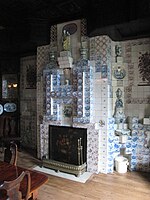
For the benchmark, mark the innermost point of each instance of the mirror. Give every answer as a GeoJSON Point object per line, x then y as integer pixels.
{"type": "Point", "coordinates": [9, 86]}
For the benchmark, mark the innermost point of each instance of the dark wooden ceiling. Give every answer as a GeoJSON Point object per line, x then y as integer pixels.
{"type": "Point", "coordinates": [25, 24]}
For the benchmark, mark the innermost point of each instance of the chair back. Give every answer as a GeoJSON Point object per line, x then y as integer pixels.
{"type": "Point", "coordinates": [12, 187]}
{"type": "Point", "coordinates": [10, 153]}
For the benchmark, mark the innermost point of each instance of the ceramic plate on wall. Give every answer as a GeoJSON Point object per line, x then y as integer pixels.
{"type": "Point", "coordinates": [119, 73]}
{"type": "Point", "coordinates": [10, 107]}
{"type": "Point", "coordinates": [1, 109]}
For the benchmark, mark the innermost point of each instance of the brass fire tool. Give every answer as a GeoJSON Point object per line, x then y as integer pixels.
{"type": "Point", "coordinates": [80, 152]}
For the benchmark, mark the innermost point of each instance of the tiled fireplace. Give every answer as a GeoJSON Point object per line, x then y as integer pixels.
{"type": "Point", "coordinates": [67, 149]}
{"type": "Point", "coordinates": [93, 104]}
{"type": "Point", "coordinates": [90, 151]}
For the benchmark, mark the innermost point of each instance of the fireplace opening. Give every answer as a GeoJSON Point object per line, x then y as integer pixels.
{"type": "Point", "coordinates": [68, 144]}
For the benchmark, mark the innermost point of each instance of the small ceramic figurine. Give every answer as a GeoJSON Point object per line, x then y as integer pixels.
{"type": "Point", "coordinates": [66, 40]}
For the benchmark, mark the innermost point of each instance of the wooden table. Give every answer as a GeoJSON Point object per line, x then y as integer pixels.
{"type": "Point", "coordinates": [10, 172]}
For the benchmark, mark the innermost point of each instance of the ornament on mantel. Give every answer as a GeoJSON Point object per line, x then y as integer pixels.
{"type": "Point", "coordinates": [52, 58]}
{"type": "Point", "coordinates": [67, 31]}
{"type": "Point", "coordinates": [66, 40]}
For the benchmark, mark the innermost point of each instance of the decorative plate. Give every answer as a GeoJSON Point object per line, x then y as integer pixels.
{"type": "Point", "coordinates": [119, 73]}
{"type": "Point", "coordinates": [10, 107]}
{"type": "Point", "coordinates": [1, 109]}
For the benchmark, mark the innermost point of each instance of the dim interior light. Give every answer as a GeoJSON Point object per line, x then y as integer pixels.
{"type": "Point", "coordinates": [9, 86]}
{"type": "Point", "coordinates": [14, 85]}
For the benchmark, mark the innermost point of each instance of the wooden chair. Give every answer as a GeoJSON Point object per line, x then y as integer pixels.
{"type": "Point", "coordinates": [10, 153]}
{"type": "Point", "coordinates": [12, 187]}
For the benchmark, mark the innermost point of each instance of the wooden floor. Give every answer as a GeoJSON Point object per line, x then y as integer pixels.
{"type": "Point", "coordinates": [128, 186]}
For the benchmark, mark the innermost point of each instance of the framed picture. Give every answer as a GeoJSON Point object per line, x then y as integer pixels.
{"type": "Point", "coordinates": [144, 66]}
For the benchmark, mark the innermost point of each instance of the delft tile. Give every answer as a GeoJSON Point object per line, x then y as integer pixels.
{"type": "Point", "coordinates": [103, 144]}
{"type": "Point", "coordinates": [103, 139]}
{"type": "Point", "coordinates": [135, 138]}
{"type": "Point", "coordinates": [103, 151]}
{"type": "Point", "coordinates": [133, 165]}
{"type": "Point", "coordinates": [135, 126]}
{"type": "Point", "coordinates": [110, 169]}
{"type": "Point", "coordinates": [104, 170]}
{"type": "Point", "coordinates": [128, 150]}
{"type": "Point", "coordinates": [111, 120]}
{"type": "Point", "coordinates": [104, 107]}
{"type": "Point", "coordinates": [110, 159]}
{"type": "Point", "coordinates": [110, 147]}
{"type": "Point", "coordinates": [110, 128]}
{"type": "Point", "coordinates": [103, 132]}
{"type": "Point", "coordinates": [111, 133]}
{"type": "Point", "coordinates": [110, 140]}
{"type": "Point", "coordinates": [117, 146]}
{"type": "Point", "coordinates": [104, 113]}
{"type": "Point", "coordinates": [141, 132]}
{"type": "Point", "coordinates": [134, 132]}
{"type": "Point", "coordinates": [110, 153]}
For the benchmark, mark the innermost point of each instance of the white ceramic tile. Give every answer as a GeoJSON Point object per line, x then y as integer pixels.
{"type": "Point", "coordinates": [103, 151]}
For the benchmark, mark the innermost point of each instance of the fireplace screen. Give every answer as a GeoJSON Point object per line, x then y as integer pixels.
{"type": "Point", "coordinates": [68, 144]}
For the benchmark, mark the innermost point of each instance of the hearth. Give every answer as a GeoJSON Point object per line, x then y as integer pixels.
{"type": "Point", "coordinates": [67, 149]}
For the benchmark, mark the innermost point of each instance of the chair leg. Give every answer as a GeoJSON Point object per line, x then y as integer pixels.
{"type": "Point", "coordinates": [2, 146]}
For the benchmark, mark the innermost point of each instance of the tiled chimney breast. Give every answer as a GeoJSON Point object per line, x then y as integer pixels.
{"type": "Point", "coordinates": [102, 143]}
